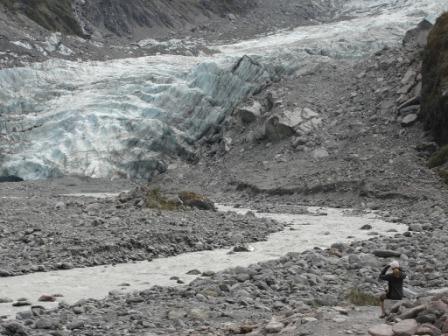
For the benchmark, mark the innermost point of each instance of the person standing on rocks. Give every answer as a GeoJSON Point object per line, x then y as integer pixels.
{"type": "Point", "coordinates": [395, 284]}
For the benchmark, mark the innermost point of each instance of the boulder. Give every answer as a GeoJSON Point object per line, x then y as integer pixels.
{"type": "Point", "coordinates": [176, 314]}
{"type": "Point", "coordinates": [46, 323]}
{"type": "Point", "coordinates": [386, 254]}
{"type": "Point", "coordinates": [77, 324]}
{"type": "Point", "coordinates": [413, 312]}
{"type": "Point", "coordinates": [409, 120]}
{"type": "Point", "coordinates": [10, 178]}
{"type": "Point", "coordinates": [47, 298]}
{"type": "Point", "coordinates": [428, 329]}
{"type": "Point", "coordinates": [405, 328]}
{"type": "Point", "coordinates": [320, 153]}
{"type": "Point", "coordinates": [249, 113]}
{"type": "Point", "coordinates": [381, 330]}
{"type": "Point", "coordinates": [418, 36]}
{"type": "Point", "coordinates": [274, 327]}
{"type": "Point", "coordinates": [14, 329]}
{"type": "Point", "coordinates": [242, 248]}
{"type": "Point", "coordinates": [198, 314]}
{"type": "Point", "coordinates": [300, 121]}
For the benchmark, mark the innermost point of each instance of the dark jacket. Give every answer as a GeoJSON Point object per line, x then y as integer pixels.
{"type": "Point", "coordinates": [395, 291]}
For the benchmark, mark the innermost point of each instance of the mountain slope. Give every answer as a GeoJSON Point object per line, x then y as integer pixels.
{"type": "Point", "coordinates": [54, 15]}
{"type": "Point", "coordinates": [435, 81]}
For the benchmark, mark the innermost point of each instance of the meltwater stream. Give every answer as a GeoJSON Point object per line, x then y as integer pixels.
{"type": "Point", "coordinates": [129, 117]}
{"type": "Point", "coordinates": [320, 228]}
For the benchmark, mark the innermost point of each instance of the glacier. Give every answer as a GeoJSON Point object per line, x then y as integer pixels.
{"type": "Point", "coordinates": [131, 117]}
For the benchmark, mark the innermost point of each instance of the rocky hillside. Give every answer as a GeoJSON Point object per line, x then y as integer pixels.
{"type": "Point", "coordinates": [435, 81]}
{"type": "Point", "coordinates": [54, 15]}
{"type": "Point", "coordinates": [118, 17]}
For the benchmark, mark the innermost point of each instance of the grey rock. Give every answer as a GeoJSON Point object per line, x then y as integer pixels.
{"type": "Point", "coordinates": [274, 327]}
{"type": "Point", "coordinates": [381, 330]}
{"type": "Point", "coordinates": [412, 313]}
{"type": "Point", "coordinates": [386, 254]}
{"type": "Point", "coordinates": [59, 206]}
{"type": "Point", "coordinates": [208, 273]}
{"type": "Point", "coordinates": [46, 323]}
{"type": "Point", "coordinates": [320, 153]}
{"type": "Point", "coordinates": [14, 329]}
{"type": "Point", "coordinates": [287, 123]}
{"type": "Point", "coordinates": [5, 300]}
{"type": "Point", "coordinates": [21, 303]}
{"type": "Point", "coordinates": [25, 315]}
{"type": "Point", "coordinates": [409, 120]}
{"type": "Point", "coordinates": [415, 227]}
{"type": "Point", "coordinates": [76, 325]}
{"type": "Point", "coordinates": [366, 227]}
{"type": "Point", "coordinates": [405, 328]}
{"type": "Point", "coordinates": [198, 314]}
{"type": "Point", "coordinates": [176, 314]}
{"type": "Point", "coordinates": [242, 248]}
{"type": "Point", "coordinates": [249, 113]}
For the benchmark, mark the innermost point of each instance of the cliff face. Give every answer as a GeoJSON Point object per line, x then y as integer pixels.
{"type": "Point", "coordinates": [435, 81]}
{"type": "Point", "coordinates": [137, 17]}
{"type": "Point", "coordinates": [122, 18]}
{"type": "Point", "coordinates": [54, 15]}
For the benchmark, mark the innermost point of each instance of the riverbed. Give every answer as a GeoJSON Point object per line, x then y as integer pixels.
{"type": "Point", "coordinates": [319, 227]}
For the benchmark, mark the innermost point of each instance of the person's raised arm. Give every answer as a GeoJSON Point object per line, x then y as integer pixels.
{"type": "Point", "coordinates": [383, 273]}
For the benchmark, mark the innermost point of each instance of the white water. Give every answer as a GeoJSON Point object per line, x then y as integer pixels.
{"type": "Point", "coordinates": [95, 282]}
{"type": "Point", "coordinates": [129, 117]}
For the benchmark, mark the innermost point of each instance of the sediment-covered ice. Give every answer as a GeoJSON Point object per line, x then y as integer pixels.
{"type": "Point", "coordinates": [129, 117]}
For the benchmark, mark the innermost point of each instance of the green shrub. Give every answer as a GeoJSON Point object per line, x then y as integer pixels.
{"type": "Point", "coordinates": [155, 200]}
{"type": "Point", "coordinates": [443, 173]}
{"type": "Point", "coordinates": [359, 298]}
{"type": "Point", "coordinates": [439, 158]}
{"type": "Point", "coordinates": [435, 81]}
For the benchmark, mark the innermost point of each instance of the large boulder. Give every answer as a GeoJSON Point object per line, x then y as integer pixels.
{"type": "Point", "coordinates": [435, 81]}
{"type": "Point", "coordinates": [250, 112]}
{"type": "Point", "coordinates": [287, 123]}
{"type": "Point", "coordinates": [10, 178]}
{"type": "Point", "coordinates": [405, 328]}
{"type": "Point", "coordinates": [381, 330]}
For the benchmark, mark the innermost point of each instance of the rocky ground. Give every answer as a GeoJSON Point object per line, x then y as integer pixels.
{"type": "Point", "coordinates": [86, 30]}
{"type": "Point", "coordinates": [361, 146]}
{"type": "Point", "coordinates": [43, 230]}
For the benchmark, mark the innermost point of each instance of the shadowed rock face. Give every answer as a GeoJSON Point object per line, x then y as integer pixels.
{"type": "Point", "coordinates": [54, 15]}
{"type": "Point", "coordinates": [435, 81]}
{"type": "Point", "coordinates": [122, 18]}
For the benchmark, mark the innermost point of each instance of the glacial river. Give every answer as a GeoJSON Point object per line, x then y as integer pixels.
{"type": "Point", "coordinates": [321, 228]}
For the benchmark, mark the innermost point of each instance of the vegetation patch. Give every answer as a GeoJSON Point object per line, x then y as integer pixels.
{"type": "Point", "coordinates": [439, 158]}
{"type": "Point", "coordinates": [435, 81]}
{"type": "Point", "coordinates": [443, 173]}
{"type": "Point", "coordinates": [155, 200]}
{"type": "Point", "coordinates": [195, 200]}
{"type": "Point", "coordinates": [359, 298]}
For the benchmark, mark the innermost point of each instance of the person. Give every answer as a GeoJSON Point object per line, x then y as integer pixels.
{"type": "Point", "coordinates": [395, 284]}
